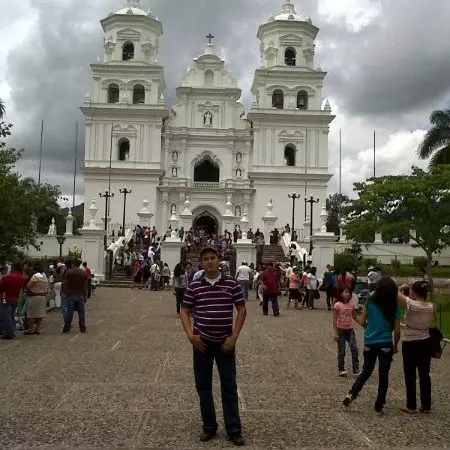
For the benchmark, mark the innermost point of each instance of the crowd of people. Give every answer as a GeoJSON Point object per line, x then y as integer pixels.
{"type": "Point", "coordinates": [28, 292]}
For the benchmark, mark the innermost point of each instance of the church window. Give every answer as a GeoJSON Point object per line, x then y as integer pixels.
{"type": "Point", "coordinates": [290, 56]}
{"type": "Point", "coordinates": [302, 100]}
{"type": "Point", "coordinates": [209, 78]}
{"type": "Point", "coordinates": [206, 171]}
{"type": "Point", "coordinates": [278, 99]}
{"type": "Point", "coordinates": [138, 94]}
{"type": "Point", "coordinates": [237, 211]}
{"type": "Point", "coordinates": [128, 51]}
{"type": "Point", "coordinates": [113, 93]}
{"type": "Point", "coordinates": [124, 149]}
{"type": "Point", "coordinates": [289, 155]}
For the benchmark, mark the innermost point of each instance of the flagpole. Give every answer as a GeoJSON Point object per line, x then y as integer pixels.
{"type": "Point", "coordinates": [306, 168]}
{"type": "Point", "coordinates": [40, 154]}
{"type": "Point", "coordinates": [374, 153]}
{"type": "Point", "coordinates": [340, 162]}
{"type": "Point", "coordinates": [75, 165]}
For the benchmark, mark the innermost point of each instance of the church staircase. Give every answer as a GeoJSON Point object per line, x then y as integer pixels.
{"type": "Point", "coordinates": [273, 254]}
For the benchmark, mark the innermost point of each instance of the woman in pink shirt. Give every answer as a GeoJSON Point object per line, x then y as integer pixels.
{"type": "Point", "coordinates": [343, 316]}
{"type": "Point", "coordinates": [294, 288]}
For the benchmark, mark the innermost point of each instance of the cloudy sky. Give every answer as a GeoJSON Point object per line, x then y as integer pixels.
{"type": "Point", "coordinates": [388, 64]}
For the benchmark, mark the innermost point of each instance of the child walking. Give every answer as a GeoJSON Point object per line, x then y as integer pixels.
{"type": "Point", "coordinates": [343, 316]}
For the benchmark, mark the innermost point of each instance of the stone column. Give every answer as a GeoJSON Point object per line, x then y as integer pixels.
{"type": "Point", "coordinates": [144, 215]}
{"type": "Point", "coordinates": [269, 221]}
{"type": "Point", "coordinates": [93, 251]}
{"type": "Point", "coordinates": [173, 234]}
{"type": "Point", "coordinates": [342, 235]}
{"type": "Point", "coordinates": [52, 228]}
{"type": "Point", "coordinates": [228, 217]}
{"type": "Point", "coordinates": [69, 224]}
{"type": "Point", "coordinates": [378, 238]}
{"type": "Point", "coordinates": [186, 215]}
{"type": "Point", "coordinates": [171, 252]}
{"type": "Point", "coordinates": [323, 242]}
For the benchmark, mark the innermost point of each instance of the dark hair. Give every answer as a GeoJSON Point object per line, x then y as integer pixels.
{"type": "Point", "coordinates": [85, 264]}
{"type": "Point", "coordinates": [313, 270]}
{"type": "Point", "coordinates": [17, 267]}
{"type": "Point", "coordinates": [385, 297]}
{"type": "Point", "coordinates": [420, 288]}
{"type": "Point", "coordinates": [38, 268]}
{"type": "Point", "coordinates": [341, 290]}
{"type": "Point", "coordinates": [178, 271]}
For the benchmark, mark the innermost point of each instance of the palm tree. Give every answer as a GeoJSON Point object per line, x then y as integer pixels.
{"type": "Point", "coordinates": [2, 109]}
{"type": "Point", "coordinates": [437, 140]}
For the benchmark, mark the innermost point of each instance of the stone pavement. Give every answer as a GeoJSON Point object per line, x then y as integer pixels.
{"type": "Point", "coordinates": [128, 383]}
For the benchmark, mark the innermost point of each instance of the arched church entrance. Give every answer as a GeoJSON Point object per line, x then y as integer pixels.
{"type": "Point", "coordinates": [207, 222]}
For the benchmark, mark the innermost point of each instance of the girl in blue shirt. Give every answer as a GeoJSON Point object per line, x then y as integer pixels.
{"type": "Point", "coordinates": [380, 318]}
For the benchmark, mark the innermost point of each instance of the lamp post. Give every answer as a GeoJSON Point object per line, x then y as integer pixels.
{"type": "Point", "coordinates": [106, 196]}
{"type": "Point", "coordinates": [61, 240]}
{"type": "Point", "coordinates": [294, 197]}
{"type": "Point", "coordinates": [311, 202]}
{"type": "Point", "coordinates": [125, 192]}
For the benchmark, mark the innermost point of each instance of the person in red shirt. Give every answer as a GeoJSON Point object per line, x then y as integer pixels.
{"type": "Point", "coordinates": [89, 278]}
{"type": "Point", "coordinates": [270, 280]}
{"type": "Point", "coordinates": [11, 285]}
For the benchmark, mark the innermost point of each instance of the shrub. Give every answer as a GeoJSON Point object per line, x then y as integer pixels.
{"type": "Point", "coordinates": [345, 260]}
{"type": "Point", "coordinates": [420, 262]}
{"type": "Point", "coordinates": [396, 264]}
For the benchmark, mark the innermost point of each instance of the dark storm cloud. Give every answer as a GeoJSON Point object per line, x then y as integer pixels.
{"type": "Point", "coordinates": [398, 64]}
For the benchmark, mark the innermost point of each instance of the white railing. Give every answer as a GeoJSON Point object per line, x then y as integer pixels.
{"type": "Point", "coordinates": [120, 243]}
{"type": "Point", "coordinates": [286, 244]}
{"type": "Point", "coordinates": [206, 185]}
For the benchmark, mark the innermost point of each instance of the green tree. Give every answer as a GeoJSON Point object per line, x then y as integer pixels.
{"type": "Point", "coordinates": [395, 205]}
{"type": "Point", "coordinates": [334, 208]}
{"type": "Point", "coordinates": [26, 208]}
{"type": "Point", "coordinates": [436, 143]}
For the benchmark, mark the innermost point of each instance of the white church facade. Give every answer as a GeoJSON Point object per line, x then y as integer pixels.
{"type": "Point", "coordinates": [206, 147]}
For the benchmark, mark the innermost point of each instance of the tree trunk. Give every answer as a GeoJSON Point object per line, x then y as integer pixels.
{"type": "Point", "coordinates": [430, 274]}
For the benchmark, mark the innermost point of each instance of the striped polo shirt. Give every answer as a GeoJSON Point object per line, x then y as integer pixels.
{"type": "Point", "coordinates": [212, 306]}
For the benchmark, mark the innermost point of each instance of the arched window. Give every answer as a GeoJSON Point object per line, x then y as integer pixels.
{"type": "Point", "coordinates": [278, 99]}
{"type": "Point", "coordinates": [128, 51]}
{"type": "Point", "coordinates": [138, 94]}
{"type": "Point", "coordinates": [209, 78]}
{"type": "Point", "coordinates": [207, 171]}
{"type": "Point", "coordinates": [113, 93]}
{"type": "Point", "coordinates": [124, 149]}
{"type": "Point", "coordinates": [302, 100]}
{"type": "Point", "coordinates": [289, 155]}
{"type": "Point", "coordinates": [290, 56]}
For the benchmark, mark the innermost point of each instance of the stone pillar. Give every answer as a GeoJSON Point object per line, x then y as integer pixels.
{"type": "Point", "coordinates": [173, 234]}
{"type": "Point", "coordinates": [323, 243]}
{"type": "Point", "coordinates": [171, 252]}
{"type": "Point", "coordinates": [244, 228]}
{"type": "Point", "coordinates": [93, 251]}
{"type": "Point", "coordinates": [144, 215]}
{"type": "Point", "coordinates": [269, 221]}
{"type": "Point", "coordinates": [52, 228]}
{"type": "Point", "coordinates": [69, 224]}
{"type": "Point", "coordinates": [245, 251]}
{"type": "Point", "coordinates": [342, 235]}
{"type": "Point", "coordinates": [412, 239]}
{"type": "Point", "coordinates": [378, 238]}
{"type": "Point", "coordinates": [228, 217]}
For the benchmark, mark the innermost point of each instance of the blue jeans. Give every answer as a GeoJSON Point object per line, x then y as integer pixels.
{"type": "Point", "coordinates": [75, 303]}
{"type": "Point", "coordinates": [64, 305]}
{"type": "Point", "coordinates": [203, 371]}
{"type": "Point", "coordinates": [384, 353]}
{"type": "Point", "coordinates": [244, 287]}
{"type": "Point", "coordinates": [9, 318]}
{"type": "Point", "coordinates": [350, 337]}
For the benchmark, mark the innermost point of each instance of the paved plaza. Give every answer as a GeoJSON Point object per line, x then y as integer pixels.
{"type": "Point", "coordinates": [128, 383]}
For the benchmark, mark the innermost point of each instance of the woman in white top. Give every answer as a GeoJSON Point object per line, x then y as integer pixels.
{"type": "Point", "coordinates": [416, 347]}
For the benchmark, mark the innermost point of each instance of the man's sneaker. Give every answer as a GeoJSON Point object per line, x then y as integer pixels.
{"type": "Point", "coordinates": [207, 436]}
{"type": "Point", "coordinates": [348, 400]}
{"type": "Point", "coordinates": [237, 440]}
{"type": "Point", "coordinates": [343, 373]}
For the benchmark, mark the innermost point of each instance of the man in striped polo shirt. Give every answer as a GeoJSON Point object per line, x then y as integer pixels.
{"type": "Point", "coordinates": [211, 299]}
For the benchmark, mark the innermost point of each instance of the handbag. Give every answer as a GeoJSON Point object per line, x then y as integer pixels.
{"type": "Point", "coordinates": [437, 343]}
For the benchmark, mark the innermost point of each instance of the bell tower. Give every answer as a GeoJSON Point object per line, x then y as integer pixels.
{"type": "Point", "coordinates": [290, 127]}
{"type": "Point", "coordinates": [124, 115]}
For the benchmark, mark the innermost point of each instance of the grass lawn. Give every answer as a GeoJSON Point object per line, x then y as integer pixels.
{"type": "Point", "coordinates": [443, 314]}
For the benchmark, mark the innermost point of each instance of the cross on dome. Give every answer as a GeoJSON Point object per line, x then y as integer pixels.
{"type": "Point", "coordinates": [288, 7]}
{"type": "Point", "coordinates": [133, 4]}
{"type": "Point", "coordinates": [210, 37]}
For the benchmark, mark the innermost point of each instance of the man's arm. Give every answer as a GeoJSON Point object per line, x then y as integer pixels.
{"type": "Point", "coordinates": [185, 315]}
{"type": "Point", "coordinates": [335, 328]}
{"type": "Point", "coordinates": [230, 342]}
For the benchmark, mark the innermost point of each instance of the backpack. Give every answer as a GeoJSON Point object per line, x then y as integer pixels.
{"type": "Point", "coordinates": [437, 342]}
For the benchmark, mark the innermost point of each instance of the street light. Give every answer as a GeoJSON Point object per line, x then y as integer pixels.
{"type": "Point", "coordinates": [106, 196]}
{"type": "Point", "coordinates": [294, 197]}
{"type": "Point", "coordinates": [125, 192]}
{"type": "Point", "coordinates": [311, 202]}
{"type": "Point", "coordinates": [61, 240]}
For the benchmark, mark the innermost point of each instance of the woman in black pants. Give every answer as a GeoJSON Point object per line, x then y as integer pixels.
{"type": "Point", "coordinates": [179, 284]}
{"type": "Point", "coordinates": [416, 347]}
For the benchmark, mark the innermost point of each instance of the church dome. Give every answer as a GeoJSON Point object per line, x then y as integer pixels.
{"type": "Point", "coordinates": [133, 8]}
{"type": "Point", "coordinates": [288, 12]}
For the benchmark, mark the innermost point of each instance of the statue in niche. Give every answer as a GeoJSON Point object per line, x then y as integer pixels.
{"type": "Point", "coordinates": [174, 172]}
{"type": "Point", "coordinates": [238, 158]}
{"type": "Point", "coordinates": [208, 118]}
{"type": "Point", "coordinates": [238, 173]}
{"type": "Point", "coordinates": [237, 213]}
{"type": "Point", "coordinates": [175, 156]}
{"type": "Point", "coordinates": [173, 209]}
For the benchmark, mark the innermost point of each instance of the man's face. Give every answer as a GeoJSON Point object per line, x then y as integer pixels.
{"type": "Point", "coordinates": [210, 262]}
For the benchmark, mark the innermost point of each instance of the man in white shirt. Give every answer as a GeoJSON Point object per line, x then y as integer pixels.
{"type": "Point", "coordinates": [151, 255]}
{"type": "Point", "coordinates": [243, 277]}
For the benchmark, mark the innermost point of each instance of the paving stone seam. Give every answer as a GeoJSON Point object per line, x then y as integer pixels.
{"type": "Point", "coordinates": [354, 430]}
{"type": "Point", "coordinates": [65, 396]}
